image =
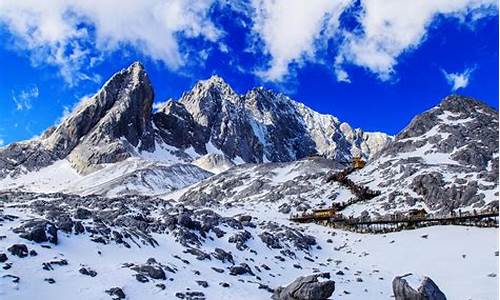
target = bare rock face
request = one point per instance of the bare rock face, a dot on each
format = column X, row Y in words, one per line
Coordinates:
column 306, row 288
column 120, row 121
column 411, row 287
column 108, row 127
column 29, row 154
column 258, row 126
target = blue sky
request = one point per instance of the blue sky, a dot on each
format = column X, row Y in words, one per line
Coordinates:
column 372, row 63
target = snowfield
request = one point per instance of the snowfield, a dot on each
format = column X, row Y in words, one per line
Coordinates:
column 459, row 259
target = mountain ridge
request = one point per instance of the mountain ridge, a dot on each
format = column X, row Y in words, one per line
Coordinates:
column 119, row 122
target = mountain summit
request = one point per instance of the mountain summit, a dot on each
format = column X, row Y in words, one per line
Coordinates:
column 118, row 123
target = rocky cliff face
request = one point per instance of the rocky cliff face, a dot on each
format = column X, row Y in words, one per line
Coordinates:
column 106, row 128
column 120, row 121
column 259, row 126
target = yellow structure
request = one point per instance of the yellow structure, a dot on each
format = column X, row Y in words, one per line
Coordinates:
column 417, row 213
column 324, row 213
column 358, row 162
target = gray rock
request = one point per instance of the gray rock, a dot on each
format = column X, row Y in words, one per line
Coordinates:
column 306, row 288
column 426, row 289
column 82, row 213
column 88, row 272
column 38, row 231
column 240, row 270
column 240, row 238
column 3, row 257
column 222, row 255
column 19, row 250
column 116, row 292
column 152, row 271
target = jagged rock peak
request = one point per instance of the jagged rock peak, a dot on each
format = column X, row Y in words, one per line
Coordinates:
column 130, row 88
column 214, row 84
column 464, row 104
column 450, row 110
column 106, row 127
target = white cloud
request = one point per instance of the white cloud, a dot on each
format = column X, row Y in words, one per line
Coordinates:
column 391, row 27
column 24, row 98
column 2, row 142
column 53, row 33
column 295, row 31
column 75, row 35
column 458, row 80
column 291, row 30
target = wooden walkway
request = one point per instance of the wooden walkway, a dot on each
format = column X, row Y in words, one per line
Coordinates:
column 386, row 223
column 396, row 223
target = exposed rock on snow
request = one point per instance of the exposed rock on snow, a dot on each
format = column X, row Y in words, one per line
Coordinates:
column 116, row 293
column 19, row 250
column 215, row 163
column 306, row 288
column 412, row 287
column 38, row 231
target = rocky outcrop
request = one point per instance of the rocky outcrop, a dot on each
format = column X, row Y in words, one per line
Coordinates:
column 306, row 288
column 215, row 163
column 38, row 231
column 411, row 287
column 115, row 122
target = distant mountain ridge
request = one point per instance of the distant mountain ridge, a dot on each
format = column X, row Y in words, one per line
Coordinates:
column 118, row 122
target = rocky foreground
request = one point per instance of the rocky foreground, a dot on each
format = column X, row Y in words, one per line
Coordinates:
column 57, row 245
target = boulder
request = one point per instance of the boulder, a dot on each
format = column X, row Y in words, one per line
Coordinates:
column 38, row 231
column 306, row 288
column 240, row 270
column 19, row 250
column 82, row 213
column 116, row 292
column 88, row 272
column 222, row 255
column 412, row 287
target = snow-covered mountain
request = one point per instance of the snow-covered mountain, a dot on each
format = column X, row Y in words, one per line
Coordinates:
column 118, row 125
column 262, row 126
column 445, row 159
column 192, row 200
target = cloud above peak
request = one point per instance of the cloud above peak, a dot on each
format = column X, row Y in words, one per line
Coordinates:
column 77, row 35
column 74, row 35
column 458, row 80
column 294, row 31
column 389, row 28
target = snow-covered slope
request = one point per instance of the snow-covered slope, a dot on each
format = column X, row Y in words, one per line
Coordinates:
column 129, row 177
column 289, row 187
column 154, row 249
column 445, row 159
